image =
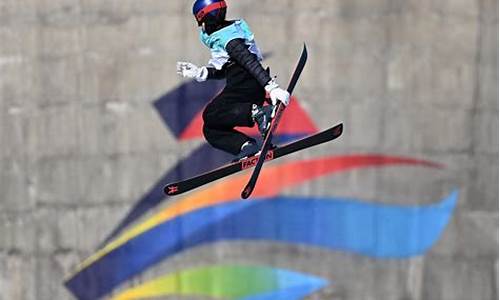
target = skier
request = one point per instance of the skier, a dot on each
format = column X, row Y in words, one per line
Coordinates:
column 236, row 57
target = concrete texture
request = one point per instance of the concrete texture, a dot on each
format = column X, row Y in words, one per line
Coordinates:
column 81, row 142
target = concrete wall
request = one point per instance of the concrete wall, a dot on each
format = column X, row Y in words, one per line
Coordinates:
column 81, row 142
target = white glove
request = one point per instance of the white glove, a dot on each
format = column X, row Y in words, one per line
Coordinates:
column 189, row 70
column 277, row 94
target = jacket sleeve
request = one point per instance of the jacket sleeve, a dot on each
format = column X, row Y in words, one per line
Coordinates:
column 213, row 73
column 238, row 51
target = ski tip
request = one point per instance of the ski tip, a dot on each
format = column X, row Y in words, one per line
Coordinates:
column 246, row 192
column 339, row 129
column 171, row 190
column 304, row 51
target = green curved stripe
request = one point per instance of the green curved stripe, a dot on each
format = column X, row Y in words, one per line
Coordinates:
column 224, row 281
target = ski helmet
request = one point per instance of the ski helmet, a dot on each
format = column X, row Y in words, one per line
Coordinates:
column 211, row 11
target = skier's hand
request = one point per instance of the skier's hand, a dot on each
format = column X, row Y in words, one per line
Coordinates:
column 189, row 70
column 277, row 94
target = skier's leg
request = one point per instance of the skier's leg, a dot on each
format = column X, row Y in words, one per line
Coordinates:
column 229, row 140
column 221, row 113
column 234, row 107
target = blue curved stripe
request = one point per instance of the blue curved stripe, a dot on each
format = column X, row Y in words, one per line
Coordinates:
column 370, row 229
column 295, row 286
column 178, row 107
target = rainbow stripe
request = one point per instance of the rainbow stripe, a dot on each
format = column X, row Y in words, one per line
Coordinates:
column 228, row 282
column 374, row 230
column 200, row 211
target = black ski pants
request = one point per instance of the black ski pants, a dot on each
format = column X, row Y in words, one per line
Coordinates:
column 232, row 108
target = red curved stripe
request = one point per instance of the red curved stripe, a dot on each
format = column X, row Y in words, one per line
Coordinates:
column 280, row 177
column 276, row 177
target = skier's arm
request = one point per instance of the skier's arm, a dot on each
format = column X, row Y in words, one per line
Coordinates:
column 238, row 51
column 189, row 70
column 200, row 74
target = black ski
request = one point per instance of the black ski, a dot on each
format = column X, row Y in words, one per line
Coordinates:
column 200, row 180
column 247, row 191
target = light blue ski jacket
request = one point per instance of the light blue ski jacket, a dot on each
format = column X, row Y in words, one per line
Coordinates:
column 217, row 42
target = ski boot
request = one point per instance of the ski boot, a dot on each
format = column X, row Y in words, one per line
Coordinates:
column 248, row 149
column 263, row 115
